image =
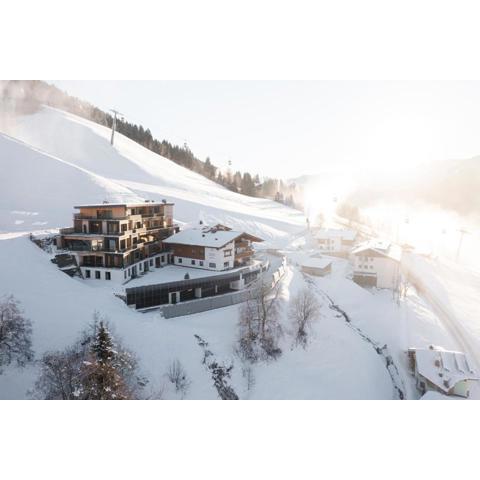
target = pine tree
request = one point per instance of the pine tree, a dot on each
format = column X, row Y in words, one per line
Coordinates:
column 103, row 380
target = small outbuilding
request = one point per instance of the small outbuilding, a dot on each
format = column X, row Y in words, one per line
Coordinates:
column 317, row 266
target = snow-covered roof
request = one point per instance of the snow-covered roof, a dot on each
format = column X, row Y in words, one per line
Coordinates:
column 315, row 262
column 126, row 205
column 207, row 237
column 444, row 368
column 335, row 232
column 382, row 247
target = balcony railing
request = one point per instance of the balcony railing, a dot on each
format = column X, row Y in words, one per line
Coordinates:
column 88, row 263
column 79, row 216
column 243, row 252
column 84, row 248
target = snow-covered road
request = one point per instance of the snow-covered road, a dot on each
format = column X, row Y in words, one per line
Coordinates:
column 454, row 293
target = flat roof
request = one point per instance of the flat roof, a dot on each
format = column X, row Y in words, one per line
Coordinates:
column 175, row 273
column 126, row 205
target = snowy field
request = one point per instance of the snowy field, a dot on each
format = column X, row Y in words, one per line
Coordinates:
column 57, row 160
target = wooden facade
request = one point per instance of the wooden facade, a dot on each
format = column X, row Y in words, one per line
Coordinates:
column 117, row 235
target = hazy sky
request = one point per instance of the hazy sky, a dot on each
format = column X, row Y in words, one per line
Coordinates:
column 289, row 128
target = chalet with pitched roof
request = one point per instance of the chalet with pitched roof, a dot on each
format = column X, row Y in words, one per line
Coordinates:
column 211, row 248
column 377, row 264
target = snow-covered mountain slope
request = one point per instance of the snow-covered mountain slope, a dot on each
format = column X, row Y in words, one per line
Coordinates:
column 39, row 190
column 75, row 163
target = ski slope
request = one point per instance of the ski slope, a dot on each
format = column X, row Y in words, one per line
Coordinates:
column 72, row 162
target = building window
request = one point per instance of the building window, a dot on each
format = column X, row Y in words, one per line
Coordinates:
column 201, row 263
column 140, row 266
column 125, row 274
column 128, row 272
column 227, row 253
column 87, row 273
column 151, row 263
column 97, row 274
column 226, row 264
column 212, row 265
column 179, row 260
column 108, row 276
column 193, row 262
column 162, row 258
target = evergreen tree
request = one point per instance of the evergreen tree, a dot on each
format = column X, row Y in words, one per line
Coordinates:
column 102, row 379
column 248, row 186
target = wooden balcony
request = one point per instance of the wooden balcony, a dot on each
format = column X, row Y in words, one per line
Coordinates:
column 244, row 253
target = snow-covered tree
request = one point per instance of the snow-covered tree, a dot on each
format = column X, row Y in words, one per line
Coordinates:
column 102, row 378
column 96, row 367
column 61, row 375
column 178, row 377
column 259, row 329
column 15, row 334
column 303, row 310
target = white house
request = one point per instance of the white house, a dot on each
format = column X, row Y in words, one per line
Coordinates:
column 211, row 248
column 337, row 242
column 443, row 371
column 377, row 264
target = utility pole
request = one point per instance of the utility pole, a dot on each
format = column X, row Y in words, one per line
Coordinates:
column 462, row 233
column 114, row 123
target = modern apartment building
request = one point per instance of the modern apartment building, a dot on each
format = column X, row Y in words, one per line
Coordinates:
column 118, row 241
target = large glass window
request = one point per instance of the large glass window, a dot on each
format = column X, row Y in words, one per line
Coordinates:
column 104, row 214
column 95, row 227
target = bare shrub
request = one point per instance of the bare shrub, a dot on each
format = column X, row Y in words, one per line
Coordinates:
column 247, row 372
column 178, row 377
column 259, row 329
column 304, row 309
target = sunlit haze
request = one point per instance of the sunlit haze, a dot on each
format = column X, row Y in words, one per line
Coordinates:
column 287, row 128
